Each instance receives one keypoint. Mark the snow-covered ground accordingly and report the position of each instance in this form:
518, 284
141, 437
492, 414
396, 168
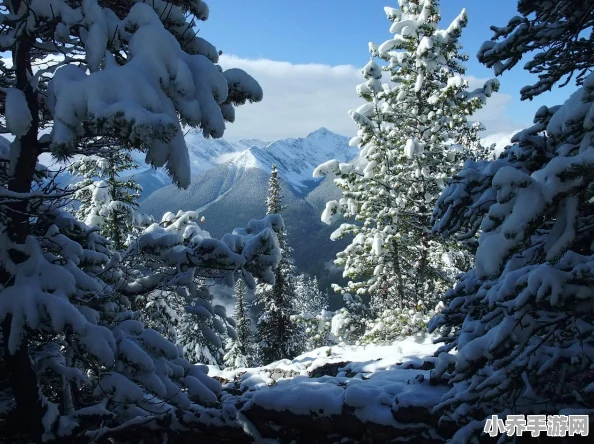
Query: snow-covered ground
367, 359
373, 383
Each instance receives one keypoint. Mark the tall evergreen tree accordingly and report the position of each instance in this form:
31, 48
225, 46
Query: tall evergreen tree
410, 132
311, 306
559, 36
277, 334
522, 320
241, 353
274, 200
349, 323
107, 200
99, 74
308, 296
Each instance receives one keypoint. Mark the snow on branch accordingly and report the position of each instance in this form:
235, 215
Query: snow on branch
138, 101
183, 245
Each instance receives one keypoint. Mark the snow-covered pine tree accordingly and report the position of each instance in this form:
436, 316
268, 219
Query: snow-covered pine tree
274, 197
103, 74
308, 296
522, 320
568, 23
204, 330
242, 350
108, 201
311, 305
349, 323
317, 329
409, 135
110, 204
97, 367
185, 315
397, 323
278, 336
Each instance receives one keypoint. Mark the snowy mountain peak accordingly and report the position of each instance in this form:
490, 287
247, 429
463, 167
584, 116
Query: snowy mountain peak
321, 132
297, 158
253, 157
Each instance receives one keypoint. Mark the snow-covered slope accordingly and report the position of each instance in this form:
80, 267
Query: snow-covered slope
297, 158
370, 394
204, 154
294, 158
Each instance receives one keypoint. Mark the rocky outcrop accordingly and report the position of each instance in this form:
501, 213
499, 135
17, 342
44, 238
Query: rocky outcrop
343, 394
329, 369
320, 406
286, 426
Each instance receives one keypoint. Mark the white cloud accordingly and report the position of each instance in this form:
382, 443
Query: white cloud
494, 114
300, 98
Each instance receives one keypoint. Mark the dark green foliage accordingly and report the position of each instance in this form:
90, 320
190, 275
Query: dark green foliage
277, 333
558, 33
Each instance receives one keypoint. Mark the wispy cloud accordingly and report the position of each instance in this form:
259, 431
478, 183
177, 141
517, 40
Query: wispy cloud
300, 98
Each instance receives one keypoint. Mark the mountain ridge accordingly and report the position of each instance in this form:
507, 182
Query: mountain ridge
228, 195
295, 158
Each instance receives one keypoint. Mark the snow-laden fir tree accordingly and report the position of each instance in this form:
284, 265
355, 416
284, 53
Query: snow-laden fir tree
308, 296
107, 200
109, 203
311, 305
241, 353
186, 316
316, 329
567, 23
350, 322
205, 330
98, 74
277, 335
410, 132
522, 320
398, 323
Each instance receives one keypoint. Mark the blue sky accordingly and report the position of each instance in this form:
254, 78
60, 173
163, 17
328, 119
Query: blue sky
336, 32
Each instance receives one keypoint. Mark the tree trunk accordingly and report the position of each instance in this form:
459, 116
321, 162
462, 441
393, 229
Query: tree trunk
423, 261
398, 271
115, 228
23, 380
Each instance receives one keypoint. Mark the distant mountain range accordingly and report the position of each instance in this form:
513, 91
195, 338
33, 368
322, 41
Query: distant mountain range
294, 158
230, 183
230, 193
